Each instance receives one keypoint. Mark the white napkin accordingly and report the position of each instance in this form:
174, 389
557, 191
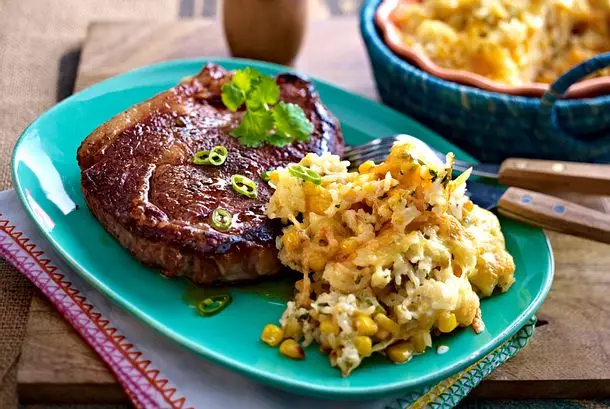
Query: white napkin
184, 379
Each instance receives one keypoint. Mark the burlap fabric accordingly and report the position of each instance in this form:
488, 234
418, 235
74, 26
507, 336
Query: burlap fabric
39, 44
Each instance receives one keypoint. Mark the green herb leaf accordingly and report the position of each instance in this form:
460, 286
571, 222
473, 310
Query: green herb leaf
232, 96
290, 120
266, 92
254, 128
279, 140
245, 79
266, 119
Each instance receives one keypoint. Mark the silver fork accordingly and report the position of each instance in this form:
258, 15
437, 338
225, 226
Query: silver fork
377, 150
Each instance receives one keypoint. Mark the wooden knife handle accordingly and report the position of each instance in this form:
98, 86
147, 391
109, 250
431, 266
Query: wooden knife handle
556, 214
547, 175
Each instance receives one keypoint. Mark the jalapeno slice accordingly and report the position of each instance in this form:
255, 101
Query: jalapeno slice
216, 156
305, 173
266, 175
213, 305
222, 219
244, 185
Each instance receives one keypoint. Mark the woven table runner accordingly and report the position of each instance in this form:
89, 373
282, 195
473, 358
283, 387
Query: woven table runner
39, 46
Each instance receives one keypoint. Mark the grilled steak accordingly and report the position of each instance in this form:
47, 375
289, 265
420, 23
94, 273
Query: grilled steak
139, 180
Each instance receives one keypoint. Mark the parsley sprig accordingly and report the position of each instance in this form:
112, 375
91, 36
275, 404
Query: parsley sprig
267, 119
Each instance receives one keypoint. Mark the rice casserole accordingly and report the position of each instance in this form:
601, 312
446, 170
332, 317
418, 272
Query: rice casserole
390, 255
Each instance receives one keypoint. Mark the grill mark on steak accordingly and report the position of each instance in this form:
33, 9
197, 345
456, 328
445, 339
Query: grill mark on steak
139, 181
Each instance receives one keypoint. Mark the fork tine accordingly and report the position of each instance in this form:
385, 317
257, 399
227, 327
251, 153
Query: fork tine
378, 149
369, 146
377, 157
375, 150
381, 153
368, 151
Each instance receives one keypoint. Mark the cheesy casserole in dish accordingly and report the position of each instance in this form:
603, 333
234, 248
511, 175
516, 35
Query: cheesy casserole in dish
514, 42
391, 255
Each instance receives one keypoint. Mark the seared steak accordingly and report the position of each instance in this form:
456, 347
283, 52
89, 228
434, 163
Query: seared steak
139, 180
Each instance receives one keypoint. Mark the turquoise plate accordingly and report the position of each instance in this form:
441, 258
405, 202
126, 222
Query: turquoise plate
47, 179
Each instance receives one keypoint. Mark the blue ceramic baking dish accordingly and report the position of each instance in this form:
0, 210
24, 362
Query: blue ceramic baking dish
493, 126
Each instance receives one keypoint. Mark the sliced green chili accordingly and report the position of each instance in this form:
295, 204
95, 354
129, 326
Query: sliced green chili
244, 185
202, 158
266, 175
220, 150
222, 219
305, 173
213, 305
216, 157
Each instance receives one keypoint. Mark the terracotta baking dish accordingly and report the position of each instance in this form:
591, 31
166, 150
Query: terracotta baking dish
392, 36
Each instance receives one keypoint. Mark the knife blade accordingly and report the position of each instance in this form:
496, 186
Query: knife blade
484, 170
485, 195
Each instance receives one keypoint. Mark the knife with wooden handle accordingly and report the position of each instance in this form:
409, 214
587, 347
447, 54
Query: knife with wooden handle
542, 210
546, 175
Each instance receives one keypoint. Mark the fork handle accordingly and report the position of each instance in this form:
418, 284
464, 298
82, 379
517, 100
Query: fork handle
548, 175
556, 214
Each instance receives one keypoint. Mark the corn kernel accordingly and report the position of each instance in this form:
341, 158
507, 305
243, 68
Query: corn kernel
317, 199
365, 325
292, 329
484, 280
446, 322
329, 327
364, 345
292, 349
348, 246
400, 352
291, 240
272, 335
366, 166
370, 188
468, 309
382, 335
421, 340
386, 323
316, 261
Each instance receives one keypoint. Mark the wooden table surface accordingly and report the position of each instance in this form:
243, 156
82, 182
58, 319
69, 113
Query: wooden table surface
569, 356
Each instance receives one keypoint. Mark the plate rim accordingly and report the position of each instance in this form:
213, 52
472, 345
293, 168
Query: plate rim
265, 377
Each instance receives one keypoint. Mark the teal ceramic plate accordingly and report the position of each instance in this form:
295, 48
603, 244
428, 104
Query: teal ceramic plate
47, 179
